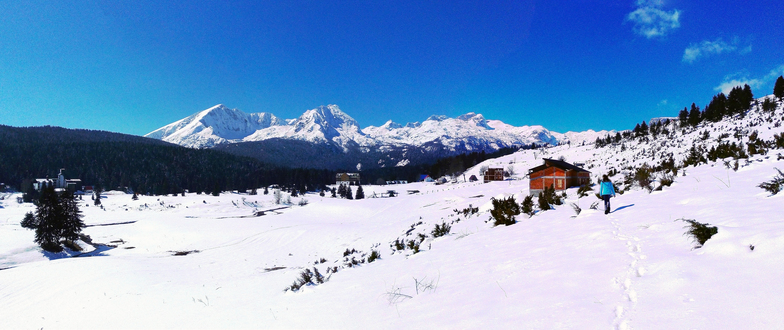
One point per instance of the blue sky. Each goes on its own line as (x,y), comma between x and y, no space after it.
(134,66)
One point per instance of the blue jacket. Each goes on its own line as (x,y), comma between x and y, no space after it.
(606,188)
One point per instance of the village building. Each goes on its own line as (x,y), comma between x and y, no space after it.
(494,174)
(559,174)
(425,178)
(58,183)
(347,178)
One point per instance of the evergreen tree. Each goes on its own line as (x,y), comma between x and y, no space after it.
(360,193)
(342,191)
(778,88)
(683,117)
(321,193)
(349,193)
(72,223)
(643,128)
(50,221)
(334,193)
(528,205)
(253,192)
(29,221)
(97,195)
(294,192)
(266,191)
(694,115)
(135,197)
(747,97)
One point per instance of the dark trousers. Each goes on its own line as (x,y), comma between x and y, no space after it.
(606,199)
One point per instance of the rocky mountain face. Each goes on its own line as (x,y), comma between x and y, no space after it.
(327,131)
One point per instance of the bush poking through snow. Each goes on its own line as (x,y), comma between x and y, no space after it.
(594,206)
(583,191)
(700,232)
(399,244)
(373,256)
(643,177)
(528,205)
(504,211)
(775,185)
(576,208)
(441,230)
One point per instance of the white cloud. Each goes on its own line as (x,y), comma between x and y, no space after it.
(740,79)
(651,21)
(708,48)
(727,86)
(775,73)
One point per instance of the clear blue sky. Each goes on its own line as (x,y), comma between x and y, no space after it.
(134,66)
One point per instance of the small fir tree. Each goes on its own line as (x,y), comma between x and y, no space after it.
(29,221)
(528,205)
(504,211)
(97,196)
(349,193)
(778,88)
(360,193)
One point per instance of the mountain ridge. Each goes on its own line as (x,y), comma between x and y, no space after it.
(329,124)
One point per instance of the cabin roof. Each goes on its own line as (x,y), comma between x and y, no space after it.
(548,162)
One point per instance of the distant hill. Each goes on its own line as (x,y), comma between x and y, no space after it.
(114,160)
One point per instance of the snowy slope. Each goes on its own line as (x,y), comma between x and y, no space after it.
(328,124)
(631,269)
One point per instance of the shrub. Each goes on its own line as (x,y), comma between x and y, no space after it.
(413,245)
(441,230)
(543,204)
(29,221)
(576,208)
(528,205)
(373,256)
(504,211)
(399,244)
(775,185)
(643,177)
(303,202)
(666,180)
(700,232)
(583,191)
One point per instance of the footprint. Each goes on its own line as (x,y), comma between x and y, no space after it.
(633,296)
(618,311)
(641,271)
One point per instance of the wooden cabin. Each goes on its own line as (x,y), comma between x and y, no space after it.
(347,178)
(494,174)
(556,173)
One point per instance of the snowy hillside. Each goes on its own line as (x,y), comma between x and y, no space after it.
(204,262)
(328,124)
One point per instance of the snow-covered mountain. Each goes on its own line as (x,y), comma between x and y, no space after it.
(214,126)
(330,125)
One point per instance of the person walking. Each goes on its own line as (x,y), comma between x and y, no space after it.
(606,190)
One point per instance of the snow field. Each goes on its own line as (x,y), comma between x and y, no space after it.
(631,269)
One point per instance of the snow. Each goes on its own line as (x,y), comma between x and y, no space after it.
(633,268)
(219,125)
